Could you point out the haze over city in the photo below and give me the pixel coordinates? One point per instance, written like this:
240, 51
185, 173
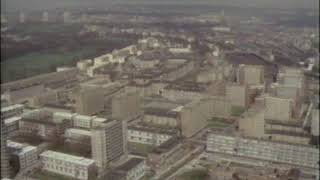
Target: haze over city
160, 90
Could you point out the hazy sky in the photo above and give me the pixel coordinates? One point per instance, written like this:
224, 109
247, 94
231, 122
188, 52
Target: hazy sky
48, 4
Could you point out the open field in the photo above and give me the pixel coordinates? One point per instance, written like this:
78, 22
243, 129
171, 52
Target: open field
39, 62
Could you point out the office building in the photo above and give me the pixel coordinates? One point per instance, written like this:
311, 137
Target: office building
108, 143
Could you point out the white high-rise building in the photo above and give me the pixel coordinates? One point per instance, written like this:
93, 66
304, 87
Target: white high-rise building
109, 143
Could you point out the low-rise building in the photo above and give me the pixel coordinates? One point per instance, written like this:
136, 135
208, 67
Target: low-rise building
10, 111
133, 169
150, 135
81, 136
186, 90
264, 150
27, 155
291, 131
39, 122
68, 165
83, 65
12, 125
165, 155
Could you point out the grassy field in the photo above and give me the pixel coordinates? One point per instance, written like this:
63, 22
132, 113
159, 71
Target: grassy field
237, 111
37, 63
196, 174
217, 122
139, 148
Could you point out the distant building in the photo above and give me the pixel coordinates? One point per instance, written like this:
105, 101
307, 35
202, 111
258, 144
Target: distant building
251, 74
66, 17
126, 106
83, 65
45, 17
292, 77
89, 100
68, 165
108, 143
252, 125
194, 116
238, 95
22, 17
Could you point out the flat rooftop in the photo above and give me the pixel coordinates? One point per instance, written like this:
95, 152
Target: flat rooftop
187, 86
127, 166
67, 158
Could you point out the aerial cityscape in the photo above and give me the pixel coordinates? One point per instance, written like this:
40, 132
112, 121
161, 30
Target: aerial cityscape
148, 90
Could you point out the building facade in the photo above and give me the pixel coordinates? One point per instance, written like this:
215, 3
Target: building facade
108, 143
299, 155
67, 165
